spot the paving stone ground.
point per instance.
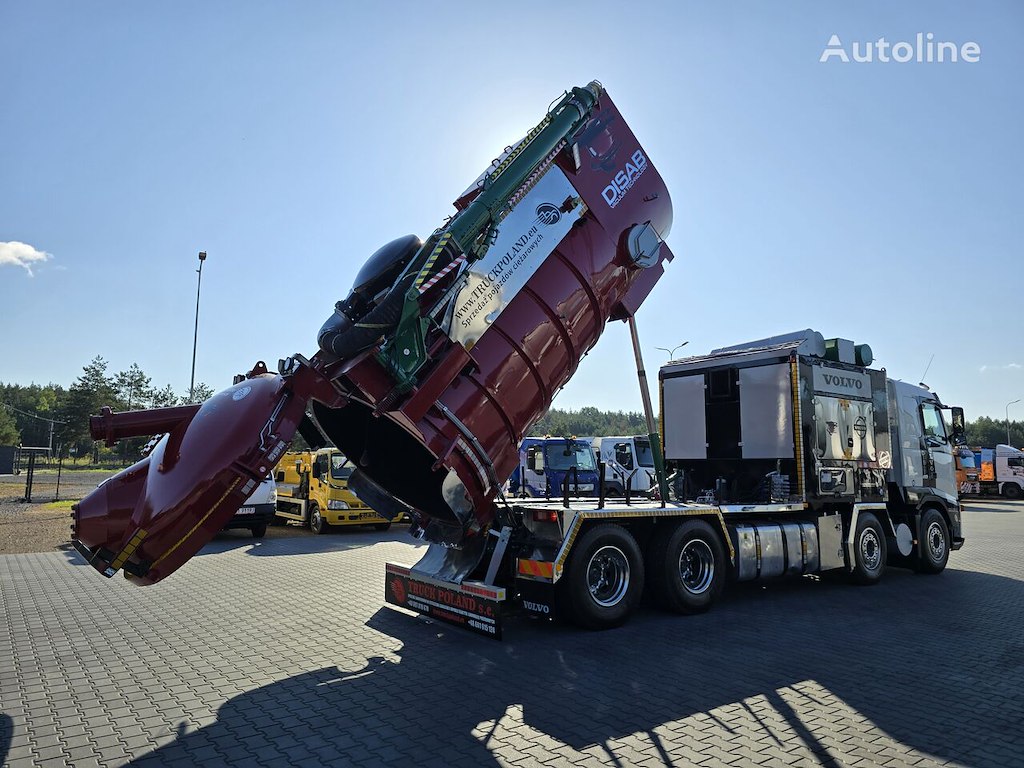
(282, 653)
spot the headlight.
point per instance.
(334, 504)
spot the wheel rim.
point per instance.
(936, 541)
(870, 550)
(608, 576)
(696, 566)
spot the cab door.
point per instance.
(940, 467)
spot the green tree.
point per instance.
(134, 388)
(91, 391)
(165, 398)
(9, 434)
(988, 432)
(201, 393)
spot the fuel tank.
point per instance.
(504, 305)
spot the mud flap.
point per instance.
(470, 605)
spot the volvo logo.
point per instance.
(536, 607)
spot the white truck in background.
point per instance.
(628, 463)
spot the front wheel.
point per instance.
(259, 530)
(604, 578)
(381, 526)
(934, 552)
(1012, 491)
(686, 568)
(869, 550)
(317, 524)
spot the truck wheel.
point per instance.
(381, 526)
(259, 531)
(604, 578)
(686, 569)
(869, 550)
(934, 552)
(1011, 491)
(317, 524)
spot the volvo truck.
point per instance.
(789, 456)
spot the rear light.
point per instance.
(545, 516)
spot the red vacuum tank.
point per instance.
(432, 369)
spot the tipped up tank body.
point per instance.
(491, 317)
(435, 365)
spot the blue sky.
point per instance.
(877, 202)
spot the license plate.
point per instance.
(246, 511)
(585, 486)
(367, 515)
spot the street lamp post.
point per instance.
(672, 352)
(195, 337)
(1008, 419)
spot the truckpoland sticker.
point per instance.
(525, 238)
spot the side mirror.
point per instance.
(959, 425)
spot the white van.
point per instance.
(257, 511)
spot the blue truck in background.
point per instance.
(546, 463)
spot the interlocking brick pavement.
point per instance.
(281, 653)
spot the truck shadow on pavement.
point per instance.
(933, 664)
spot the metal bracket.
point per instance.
(498, 554)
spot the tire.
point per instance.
(934, 536)
(381, 526)
(1011, 491)
(317, 524)
(869, 550)
(604, 578)
(686, 567)
(259, 530)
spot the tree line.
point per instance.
(591, 422)
(53, 416)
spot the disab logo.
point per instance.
(624, 180)
(924, 50)
(548, 213)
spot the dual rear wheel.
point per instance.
(604, 579)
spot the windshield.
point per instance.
(341, 468)
(967, 460)
(581, 455)
(644, 457)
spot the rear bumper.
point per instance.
(261, 514)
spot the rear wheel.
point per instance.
(604, 578)
(1011, 491)
(934, 551)
(317, 524)
(686, 568)
(869, 550)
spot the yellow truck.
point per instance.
(312, 488)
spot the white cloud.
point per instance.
(1007, 367)
(21, 255)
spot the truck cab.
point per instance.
(547, 463)
(313, 489)
(628, 463)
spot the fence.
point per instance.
(42, 478)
